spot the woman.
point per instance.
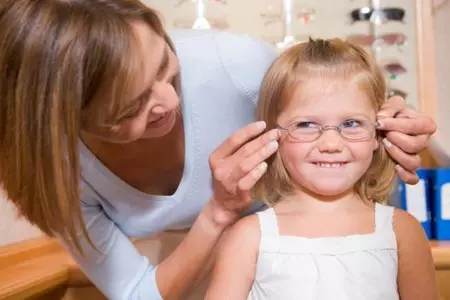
(92, 87)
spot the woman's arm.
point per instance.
(121, 272)
(416, 273)
(184, 269)
(235, 266)
(236, 166)
(117, 269)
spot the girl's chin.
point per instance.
(328, 189)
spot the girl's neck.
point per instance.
(303, 200)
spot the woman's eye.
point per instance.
(351, 123)
(162, 72)
(134, 111)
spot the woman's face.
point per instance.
(152, 109)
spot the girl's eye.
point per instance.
(351, 123)
(305, 124)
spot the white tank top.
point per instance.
(354, 267)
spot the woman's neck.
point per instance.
(151, 149)
(153, 166)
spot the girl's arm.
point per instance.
(235, 267)
(416, 273)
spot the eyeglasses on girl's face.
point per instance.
(350, 130)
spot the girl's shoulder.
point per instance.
(407, 228)
(246, 228)
(241, 240)
(416, 270)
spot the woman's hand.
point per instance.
(407, 134)
(236, 166)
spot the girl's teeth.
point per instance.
(329, 165)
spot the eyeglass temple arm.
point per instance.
(282, 128)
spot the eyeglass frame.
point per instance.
(325, 127)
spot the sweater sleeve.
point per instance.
(117, 269)
(246, 60)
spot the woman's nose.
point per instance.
(165, 98)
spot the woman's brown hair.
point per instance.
(320, 57)
(58, 61)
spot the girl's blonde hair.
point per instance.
(320, 57)
(62, 63)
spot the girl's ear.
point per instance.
(376, 144)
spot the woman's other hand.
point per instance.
(407, 134)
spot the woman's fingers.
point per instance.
(249, 180)
(392, 107)
(256, 144)
(409, 177)
(239, 163)
(246, 165)
(231, 169)
(413, 126)
(410, 162)
(236, 140)
(408, 143)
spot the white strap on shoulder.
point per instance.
(384, 217)
(268, 222)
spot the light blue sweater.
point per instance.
(221, 74)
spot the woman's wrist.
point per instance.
(180, 271)
(219, 218)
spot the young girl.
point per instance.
(326, 233)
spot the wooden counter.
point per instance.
(34, 267)
(41, 266)
(441, 254)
